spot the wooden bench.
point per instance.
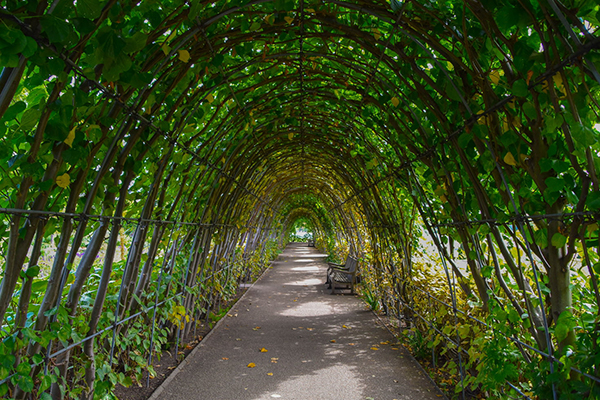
(342, 276)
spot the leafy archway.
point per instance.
(201, 131)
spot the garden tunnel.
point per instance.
(156, 154)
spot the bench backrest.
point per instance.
(351, 264)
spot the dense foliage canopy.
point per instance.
(190, 137)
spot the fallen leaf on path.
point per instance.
(394, 348)
(310, 329)
(270, 373)
(346, 327)
(224, 358)
(332, 340)
(274, 360)
(351, 344)
(374, 348)
(255, 329)
(263, 350)
(251, 365)
(386, 342)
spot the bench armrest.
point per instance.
(335, 265)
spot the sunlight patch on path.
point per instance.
(310, 309)
(336, 382)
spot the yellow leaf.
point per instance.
(345, 327)
(332, 340)
(495, 76)
(251, 365)
(210, 98)
(166, 49)
(291, 136)
(386, 342)
(374, 348)
(289, 19)
(394, 348)
(70, 137)
(509, 159)
(263, 350)
(310, 10)
(270, 373)
(592, 227)
(395, 101)
(558, 81)
(63, 181)
(481, 120)
(184, 55)
(376, 33)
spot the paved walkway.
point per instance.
(314, 345)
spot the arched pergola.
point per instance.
(154, 154)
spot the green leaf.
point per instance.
(559, 240)
(593, 200)
(584, 135)
(218, 60)
(554, 184)
(135, 43)
(529, 110)
(56, 29)
(32, 272)
(565, 323)
(30, 119)
(90, 9)
(25, 383)
(519, 88)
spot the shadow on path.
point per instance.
(318, 346)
